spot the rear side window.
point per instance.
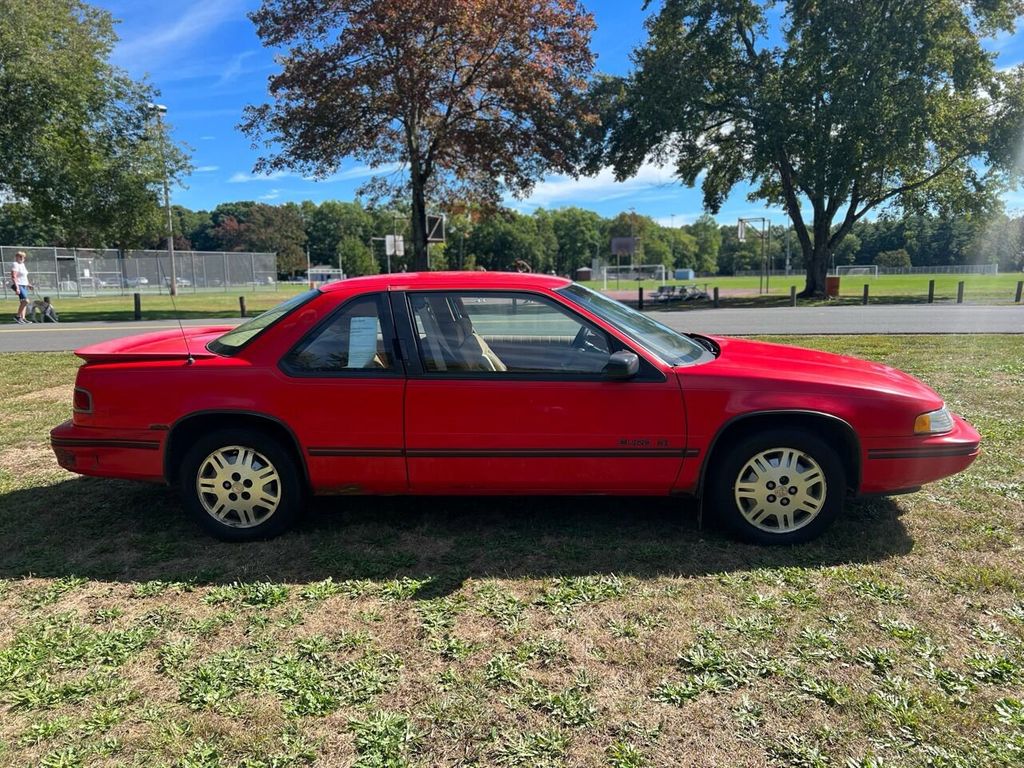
(232, 341)
(355, 338)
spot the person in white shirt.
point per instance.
(21, 285)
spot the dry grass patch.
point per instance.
(512, 632)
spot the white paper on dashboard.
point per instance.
(362, 341)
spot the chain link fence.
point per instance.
(935, 269)
(69, 272)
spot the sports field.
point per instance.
(891, 289)
(735, 291)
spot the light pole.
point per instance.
(159, 110)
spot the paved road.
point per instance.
(891, 318)
(65, 336)
(924, 318)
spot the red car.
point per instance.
(491, 383)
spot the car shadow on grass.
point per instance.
(125, 532)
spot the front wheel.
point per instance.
(777, 487)
(241, 485)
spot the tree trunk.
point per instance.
(816, 254)
(816, 258)
(419, 223)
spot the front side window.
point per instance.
(505, 333)
(232, 341)
(670, 346)
(352, 339)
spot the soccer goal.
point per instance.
(857, 269)
(634, 272)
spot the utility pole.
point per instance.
(159, 110)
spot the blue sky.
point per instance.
(205, 58)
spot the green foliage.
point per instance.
(488, 101)
(77, 139)
(354, 256)
(331, 222)
(540, 749)
(856, 107)
(565, 594)
(893, 259)
(260, 594)
(382, 740)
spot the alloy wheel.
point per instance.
(238, 486)
(780, 490)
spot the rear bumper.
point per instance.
(127, 454)
(892, 465)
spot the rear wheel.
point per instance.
(241, 485)
(777, 487)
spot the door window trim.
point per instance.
(649, 373)
(387, 327)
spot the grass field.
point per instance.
(735, 292)
(885, 289)
(160, 307)
(515, 632)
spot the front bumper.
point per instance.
(127, 454)
(892, 465)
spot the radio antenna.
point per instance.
(184, 337)
(159, 110)
(177, 316)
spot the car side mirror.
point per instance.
(622, 365)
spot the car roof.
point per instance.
(400, 281)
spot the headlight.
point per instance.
(934, 423)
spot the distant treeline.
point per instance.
(563, 240)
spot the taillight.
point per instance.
(82, 401)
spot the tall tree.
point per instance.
(829, 108)
(579, 237)
(709, 240)
(330, 223)
(278, 229)
(468, 95)
(76, 138)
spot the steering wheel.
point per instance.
(586, 340)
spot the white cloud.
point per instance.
(271, 195)
(207, 138)
(234, 67)
(188, 29)
(245, 178)
(557, 191)
(207, 168)
(678, 220)
(359, 172)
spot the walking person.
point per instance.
(21, 285)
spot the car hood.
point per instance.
(762, 364)
(179, 343)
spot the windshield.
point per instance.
(238, 337)
(670, 346)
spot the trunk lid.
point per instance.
(174, 344)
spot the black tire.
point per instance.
(253, 519)
(747, 505)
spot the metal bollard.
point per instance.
(715, 300)
(792, 295)
(864, 300)
(138, 306)
(960, 292)
(640, 298)
(1020, 290)
(241, 305)
(931, 291)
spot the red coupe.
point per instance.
(490, 383)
